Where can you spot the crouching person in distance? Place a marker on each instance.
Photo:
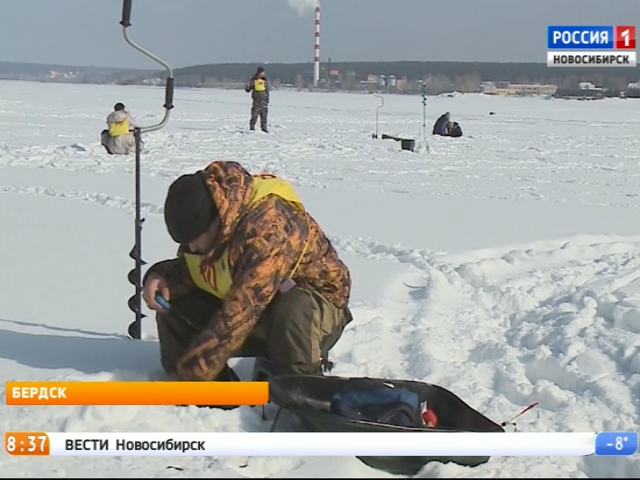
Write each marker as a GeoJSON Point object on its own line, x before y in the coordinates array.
{"type": "Point", "coordinates": [118, 139]}
{"type": "Point", "coordinates": [255, 276]}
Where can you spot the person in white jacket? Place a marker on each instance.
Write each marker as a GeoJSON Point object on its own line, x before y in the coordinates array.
{"type": "Point", "coordinates": [118, 138]}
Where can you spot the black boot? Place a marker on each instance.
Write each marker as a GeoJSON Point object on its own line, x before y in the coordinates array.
{"type": "Point", "coordinates": [262, 370]}
{"type": "Point", "coordinates": [226, 375]}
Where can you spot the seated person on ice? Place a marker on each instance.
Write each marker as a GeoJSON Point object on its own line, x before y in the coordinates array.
{"type": "Point", "coordinates": [446, 128]}
{"type": "Point", "coordinates": [441, 127]}
{"type": "Point", "coordinates": [118, 139]}
{"type": "Point", "coordinates": [454, 130]}
{"type": "Point", "coordinates": [255, 276]}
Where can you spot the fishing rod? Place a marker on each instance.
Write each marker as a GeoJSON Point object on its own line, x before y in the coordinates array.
{"type": "Point", "coordinates": [135, 275]}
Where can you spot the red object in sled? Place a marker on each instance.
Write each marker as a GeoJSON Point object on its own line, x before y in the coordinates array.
{"type": "Point", "coordinates": [430, 418]}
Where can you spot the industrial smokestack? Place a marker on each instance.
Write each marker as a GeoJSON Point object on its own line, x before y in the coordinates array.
{"type": "Point", "coordinates": [316, 54]}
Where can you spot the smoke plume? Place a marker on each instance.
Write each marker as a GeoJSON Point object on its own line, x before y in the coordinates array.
{"type": "Point", "coordinates": [303, 6]}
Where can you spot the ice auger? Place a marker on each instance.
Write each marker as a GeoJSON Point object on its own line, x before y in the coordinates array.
{"type": "Point", "coordinates": [135, 275]}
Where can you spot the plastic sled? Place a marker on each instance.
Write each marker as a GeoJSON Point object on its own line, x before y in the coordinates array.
{"type": "Point", "coordinates": [309, 399]}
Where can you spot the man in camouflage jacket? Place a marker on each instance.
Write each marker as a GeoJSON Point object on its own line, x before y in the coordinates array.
{"type": "Point", "coordinates": [288, 300]}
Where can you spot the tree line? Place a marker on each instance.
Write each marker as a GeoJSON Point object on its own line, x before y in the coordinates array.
{"type": "Point", "coordinates": [439, 77]}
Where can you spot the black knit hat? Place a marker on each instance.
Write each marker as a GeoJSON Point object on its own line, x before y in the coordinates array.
{"type": "Point", "coordinates": [189, 209]}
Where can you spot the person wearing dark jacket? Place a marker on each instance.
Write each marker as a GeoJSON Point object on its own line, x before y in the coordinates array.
{"type": "Point", "coordinates": [441, 127]}
{"type": "Point", "coordinates": [258, 86]}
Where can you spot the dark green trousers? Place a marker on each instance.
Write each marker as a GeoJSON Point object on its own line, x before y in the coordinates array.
{"type": "Point", "coordinates": [295, 333]}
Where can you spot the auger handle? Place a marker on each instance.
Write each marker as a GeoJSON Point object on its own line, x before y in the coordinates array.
{"type": "Point", "coordinates": [169, 84]}
{"type": "Point", "coordinates": [126, 13]}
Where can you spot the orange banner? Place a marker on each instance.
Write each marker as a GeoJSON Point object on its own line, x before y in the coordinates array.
{"type": "Point", "coordinates": [27, 443]}
{"type": "Point", "coordinates": [137, 393]}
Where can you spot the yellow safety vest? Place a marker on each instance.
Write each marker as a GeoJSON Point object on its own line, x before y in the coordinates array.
{"type": "Point", "coordinates": [216, 279]}
{"type": "Point", "coordinates": [119, 128]}
{"type": "Point", "coordinates": [259, 85]}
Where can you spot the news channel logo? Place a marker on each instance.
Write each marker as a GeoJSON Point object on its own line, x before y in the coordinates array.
{"type": "Point", "coordinates": [591, 46]}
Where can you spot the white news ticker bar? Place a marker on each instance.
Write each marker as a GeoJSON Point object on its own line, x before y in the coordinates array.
{"type": "Point", "coordinates": [591, 59]}
{"type": "Point", "coordinates": [325, 444]}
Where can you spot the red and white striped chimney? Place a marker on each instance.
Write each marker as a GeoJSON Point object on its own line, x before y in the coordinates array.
{"type": "Point", "coordinates": [316, 54]}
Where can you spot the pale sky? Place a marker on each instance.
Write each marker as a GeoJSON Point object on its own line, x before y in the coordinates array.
{"type": "Point", "coordinates": [189, 32]}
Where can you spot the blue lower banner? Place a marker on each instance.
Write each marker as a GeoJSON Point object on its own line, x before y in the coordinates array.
{"type": "Point", "coordinates": [616, 444]}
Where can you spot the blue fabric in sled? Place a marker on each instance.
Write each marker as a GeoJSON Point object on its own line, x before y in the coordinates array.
{"type": "Point", "coordinates": [390, 406]}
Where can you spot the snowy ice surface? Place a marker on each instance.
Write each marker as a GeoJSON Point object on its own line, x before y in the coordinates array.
{"type": "Point", "coordinates": [504, 265]}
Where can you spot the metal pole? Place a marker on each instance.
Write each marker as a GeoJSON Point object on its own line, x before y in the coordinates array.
{"type": "Point", "coordinates": [424, 114]}
{"type": "Point", "coordinates": [135, 275]}
{"type": "Point", "coordinates": [378, 112]}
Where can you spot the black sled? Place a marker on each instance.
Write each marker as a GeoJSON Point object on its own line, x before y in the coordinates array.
{"type": "Point", "coordinates": [310, 397]}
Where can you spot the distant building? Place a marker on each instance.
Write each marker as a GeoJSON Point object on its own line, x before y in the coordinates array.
{"type": "Point", "coordinates": [55, 74]}
{"type": "Point", "coordinates": [383, 82]}
{"type": "Point", "coordinates": [588, 86]}
{"type": "Point", "coordinates": [488, 88]}
{"type": "Point", "coordinates": [156, 82]}
{"type": "Point", "coordinates": [392, 81]}
{"type": "Point", "coordinates": [584, 91]}
{"type": "Point", "coordinates": [506, 88]}
{"type": "Point", "coordinates": [633, 90]}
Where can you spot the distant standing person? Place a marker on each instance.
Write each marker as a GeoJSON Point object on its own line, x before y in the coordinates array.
{"type": "Point", "coordinates": [118, 138]}
{"type": "Point", "coordinates": [259, 88]}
